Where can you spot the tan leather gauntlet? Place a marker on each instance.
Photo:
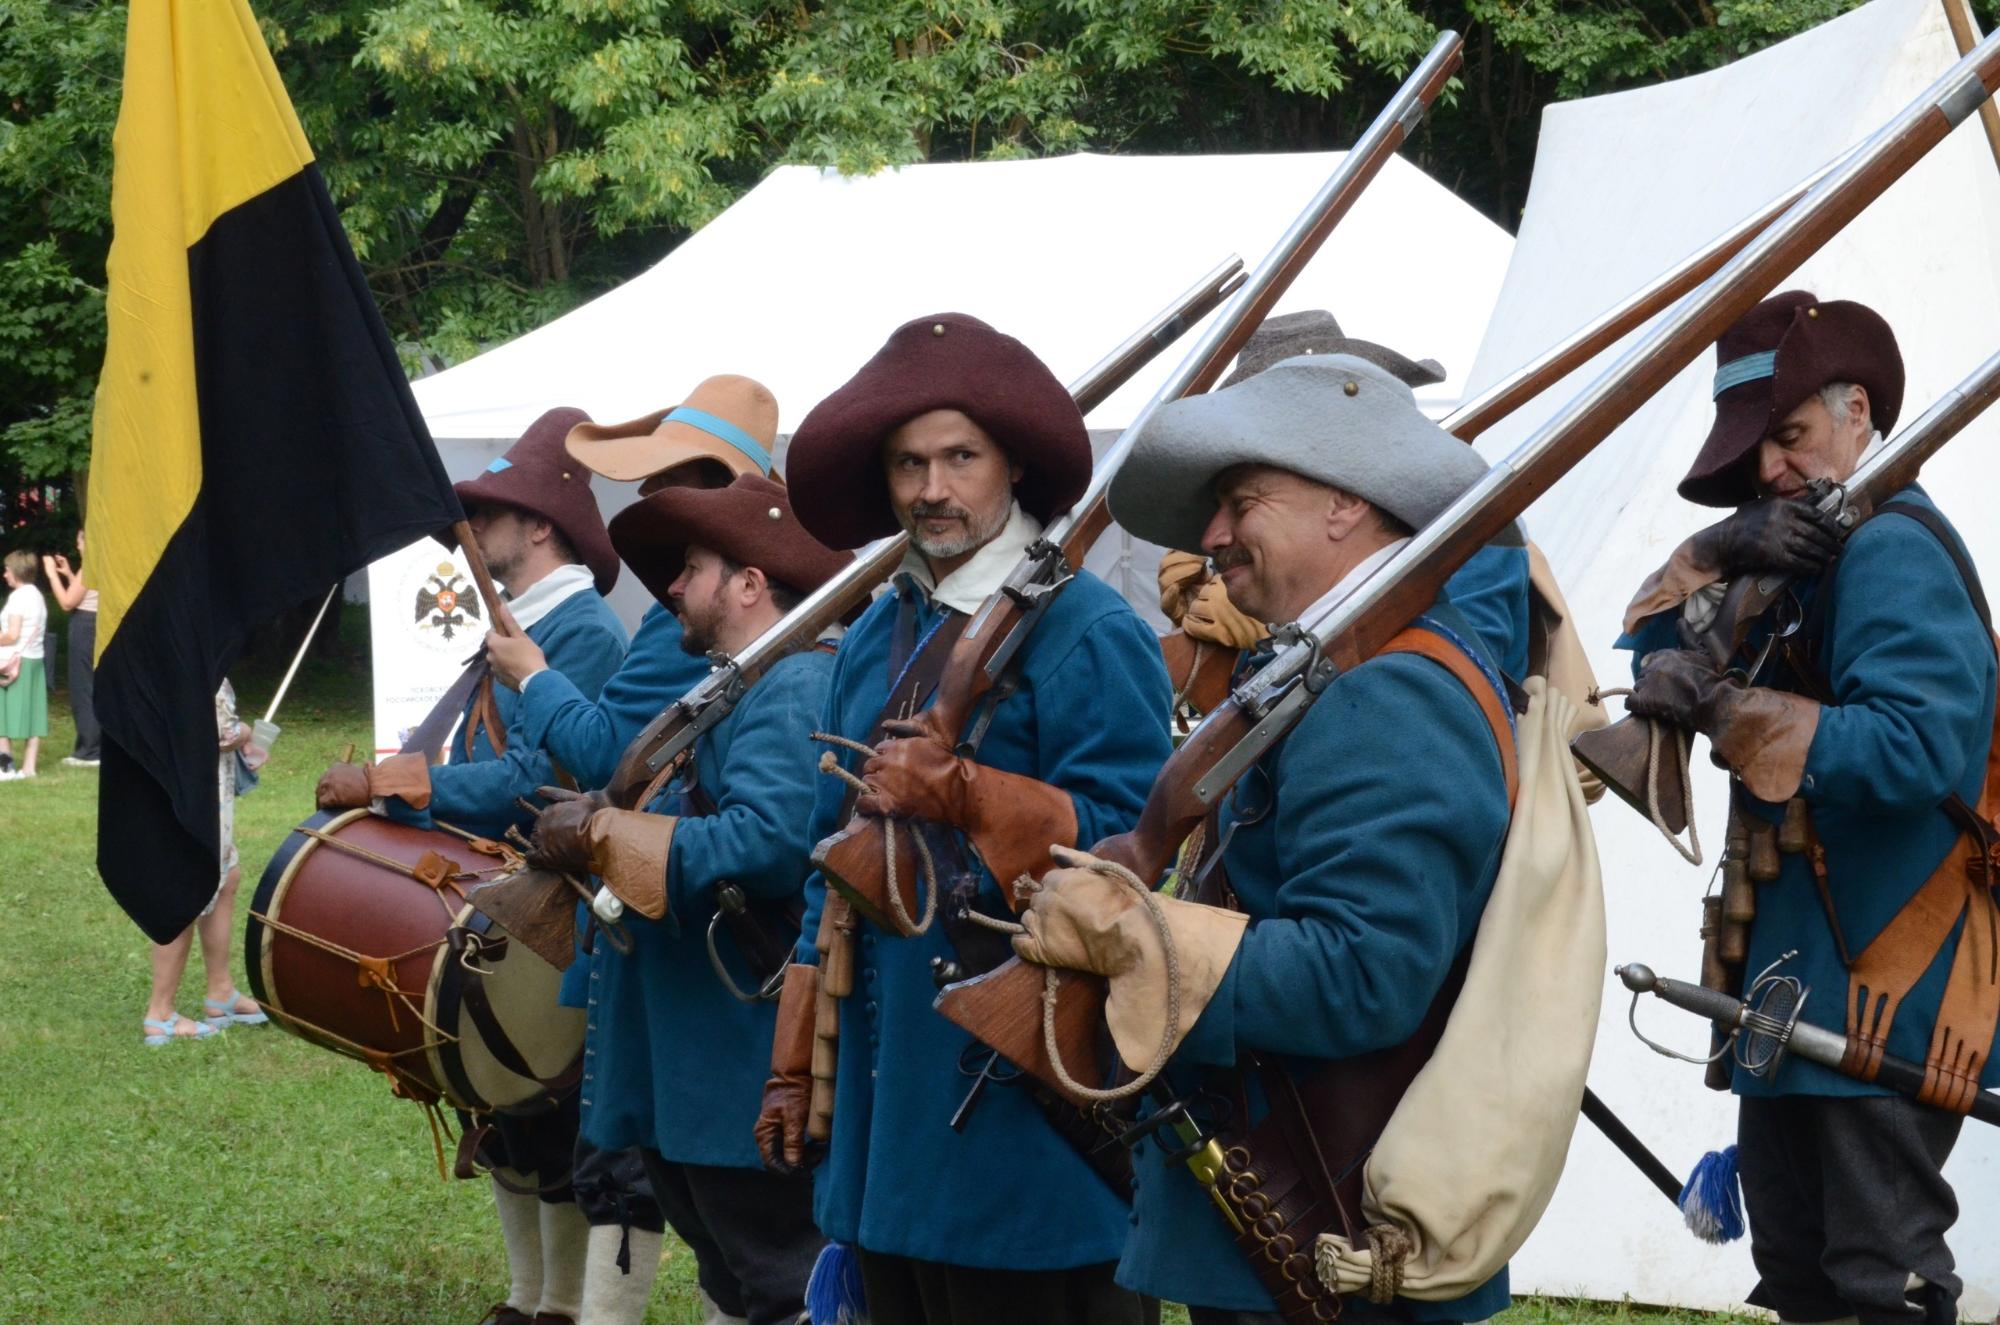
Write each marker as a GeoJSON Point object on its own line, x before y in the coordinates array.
{"type": "Point", "coordinates": [1765, 736]}
{"type": "Point", "coordinates": [781, 1120]}
{"type": "Point", "coordinates": [628, 851]}
{"type": "Point", "coordinates": [353, 786]}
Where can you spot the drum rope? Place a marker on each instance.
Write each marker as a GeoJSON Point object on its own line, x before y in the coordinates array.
{"type": "Point", "coordinates": [395, 866]}
{"type": "Point", "coordinates": [390, 990]}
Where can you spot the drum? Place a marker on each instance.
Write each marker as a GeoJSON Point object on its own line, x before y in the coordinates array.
{"type": "Point", "coordinates": [359, 939]}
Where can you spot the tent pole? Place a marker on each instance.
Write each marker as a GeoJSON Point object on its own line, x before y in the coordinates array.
{"type": "Point", "coordinates": [1965, 35]}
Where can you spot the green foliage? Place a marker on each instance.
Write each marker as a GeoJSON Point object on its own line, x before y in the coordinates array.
{"type": "Point", "coordinates": [498, 161]}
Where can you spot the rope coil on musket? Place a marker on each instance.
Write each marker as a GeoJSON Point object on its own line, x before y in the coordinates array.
{"type": "Point", "coordinates": [927, 868]}
{"type": "Point", "coordinates": [1656, 735]}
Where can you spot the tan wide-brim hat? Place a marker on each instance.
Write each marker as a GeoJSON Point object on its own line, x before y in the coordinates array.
{"type": "Point", "coordinates": [730, 420]}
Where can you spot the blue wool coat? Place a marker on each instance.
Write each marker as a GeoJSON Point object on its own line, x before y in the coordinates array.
{"type": "Point", "coordinates": [588, 733]}
{"type": "Point", "coordinates": [584, 643]}
{"type": "Point", "coordinates": [672, 1061]}
{"type": "Point", "coordinates": [1912, 671]}
{"type": "Point", "coordinates": [1491, 592]}
{"type": "Point", "coordinates": [1090, 717]}
{"type": "Point", "coordinates": [1366, 847]}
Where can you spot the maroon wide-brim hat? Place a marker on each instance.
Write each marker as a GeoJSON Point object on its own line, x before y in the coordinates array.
{"type": "Point", "coordinates": [537, 475]}
{"type": "Point", "coordinates": [751, 522]}
{"type": "Point", "coordinates": [1767, 365]}
{"type": "Point", "coordinates": [944, 361]}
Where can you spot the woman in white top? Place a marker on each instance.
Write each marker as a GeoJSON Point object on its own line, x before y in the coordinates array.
{"type": "Point", "coordinates": [24, 700]}
{"type": "Point", "coordinates": [80, 601]}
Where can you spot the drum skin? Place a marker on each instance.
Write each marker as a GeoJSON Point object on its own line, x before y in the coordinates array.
{"type": "Point", "coordinates": [357, 906]}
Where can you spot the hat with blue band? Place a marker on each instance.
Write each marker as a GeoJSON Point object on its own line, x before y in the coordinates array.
{"type": "Point", "coordinates": [1771, 361]}
{"type": "Point", "coordinates": [728, 421]}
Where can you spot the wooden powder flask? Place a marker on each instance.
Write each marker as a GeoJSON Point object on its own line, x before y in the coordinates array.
{"type": "Point", "coordinates": [1795, 833]}
{"type": "Point", "coordinates": [1265, 705]}
{"type": "Point", "coordinates": [835, 943]}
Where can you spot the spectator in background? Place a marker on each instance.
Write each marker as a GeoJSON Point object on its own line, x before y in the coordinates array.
{"type": "Point", "coordinates": [223, 1006]}
{"type": "Point", "coordinates": [81, 603]}
{"type": "Point", "coordinates": [24, 692]}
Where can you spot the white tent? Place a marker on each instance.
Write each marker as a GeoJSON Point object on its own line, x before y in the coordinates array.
{"type": "Point", "coordinates": [1624, 186]}
{"type": "Point", "coordinates": [800, 281]}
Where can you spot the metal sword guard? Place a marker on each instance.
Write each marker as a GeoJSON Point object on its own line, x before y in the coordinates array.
{"type": "Point", "coordinates": [1756, 1030]}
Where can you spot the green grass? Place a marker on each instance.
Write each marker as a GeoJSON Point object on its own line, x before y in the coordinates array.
{"type": "Point", "coordinates": [252, 1179]}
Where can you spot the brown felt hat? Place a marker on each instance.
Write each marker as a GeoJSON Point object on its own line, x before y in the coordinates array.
{"type": "Point", "coordinates": [944, 361]}
{"type": "Point", "coordinates": [1315, 331]}
{"type": "Point", "coordinates": [538, 476]}
{"type": "Point", "coordinates": [750, 522]}
{"type": "Point", "coordinates": [730, 420]}
{"type": "Point", "coordinates": [1768, 363]}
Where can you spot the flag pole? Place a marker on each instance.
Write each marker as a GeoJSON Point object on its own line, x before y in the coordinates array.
{"type": "Point", "coordinates": [475, 561]}
{"type": "Point", "coordinates": [299, 657]}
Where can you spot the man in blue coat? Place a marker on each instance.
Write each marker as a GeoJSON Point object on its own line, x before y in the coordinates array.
{"type": "Point", "coordinates": [545, 543]}
{"type": "Point", "coordinates": [1321, 939]}
{"type": "Point", "coordinates": [678, 1070]}
{"type": "Point", "coordinates": [723, 430]}
{"type": "Point", "coordinates": [1871, 723]}
{"type": "Point", "coordinates": [964, 1202]}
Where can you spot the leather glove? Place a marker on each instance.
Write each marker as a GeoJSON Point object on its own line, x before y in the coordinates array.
{"type": "Point", "coordinates": [558, 843]}
{"type": "Point", "coordinates": [781, 1121]}
{"type": "Point", "coordinates": [1764, 736]}
{"type": "Point", "coordinates": [1795, 537]}
{"type": "Point", "coordinates": [628, 850]}
{"type": "Point", "coordinates": [1083, 917]}
{"type": "Point", "coordinates": [1009, 819]}
{"type": "Point", "coordinates": [354, 786]}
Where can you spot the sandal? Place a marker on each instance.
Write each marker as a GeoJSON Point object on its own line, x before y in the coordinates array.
{"type": "Point", "coordinates": [167, 1030]}
{"type": "Point", "coordinates": [222, 1012]}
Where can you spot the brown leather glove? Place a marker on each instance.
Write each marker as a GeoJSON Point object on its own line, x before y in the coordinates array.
{"type": "Point", "coordinates": [1794, 537]}
{"type": "Point", "coordinates": [1011, 820]}
{"type": "Point", "coordinates": [353, 786]}
{"type": "Point", "coordinates": [628, 850]}
{"type": "Point", "coordinates": [781, 1121]}
{"type": "Point", "coordinates": [1763, 735]}
{"type": "Point", "coordinates": [558, 843]}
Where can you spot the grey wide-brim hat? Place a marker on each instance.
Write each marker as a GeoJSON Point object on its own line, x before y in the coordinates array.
{"type": "Point", "coordinates": [1333, 418]}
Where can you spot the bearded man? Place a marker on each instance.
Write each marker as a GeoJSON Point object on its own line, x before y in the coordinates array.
{"type": "Point", "coordinates": [1870, 730]}
{"type": "Point", "coordinates": [963, 1201]}
{"type": "Point", "coordinates": [678, 1070]}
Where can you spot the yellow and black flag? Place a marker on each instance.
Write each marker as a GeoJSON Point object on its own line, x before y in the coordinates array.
{"type": "Point", "coordinates": [255, 437]}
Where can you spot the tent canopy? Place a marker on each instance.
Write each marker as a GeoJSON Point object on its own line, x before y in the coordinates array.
{"type": "Point", "coordinates": [807, 274]}
{"type": "Point", "coordinates": [1626, 185]}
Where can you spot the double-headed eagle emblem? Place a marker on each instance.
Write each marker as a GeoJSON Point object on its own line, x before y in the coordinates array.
{"type": "Point", "coordinates": [446, 607]}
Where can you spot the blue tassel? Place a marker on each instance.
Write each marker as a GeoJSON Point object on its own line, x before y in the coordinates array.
{"type": "Point", "coordinates": [834, 1295]}
{"type": "Point", "coordinates": [1712, 1201]}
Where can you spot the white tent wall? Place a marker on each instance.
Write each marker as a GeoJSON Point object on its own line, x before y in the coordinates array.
{"type": "Point", "coordinates": [1625, 185]}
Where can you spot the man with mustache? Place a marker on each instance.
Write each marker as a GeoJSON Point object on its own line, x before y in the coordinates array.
{"type": "Point", "coordinates": [1867, 738]}
{"type": "Point", "coordinates": [1321, 938]}
{"type": "Point", "coordinates": [965, 1205]}
{"type": "Point", "coordinates": [678, 1043]}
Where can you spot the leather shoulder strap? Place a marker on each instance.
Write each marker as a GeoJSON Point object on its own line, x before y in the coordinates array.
{"type": "Point", "coordinates": [1431, 645]}
{"type": "Point", "coordinates": [1932, 521]}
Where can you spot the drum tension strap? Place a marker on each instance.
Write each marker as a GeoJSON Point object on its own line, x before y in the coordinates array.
{"type": "Point", "coordinates": [491, 1032]}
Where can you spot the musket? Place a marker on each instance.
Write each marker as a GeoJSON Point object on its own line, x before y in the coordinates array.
{"type": "Point", "coordinates": [1003, 1008]}
{"type": "Point", "coordinates": [1618, 754]}
{"type": "Point", "coordinates": [1761, 1031]}
{"type": "Point", "coordinates": [526, 906]}
{"type": "Point", "coordinates": [854, 860]}
{"type": "Point", "coordinates": [670, 736]}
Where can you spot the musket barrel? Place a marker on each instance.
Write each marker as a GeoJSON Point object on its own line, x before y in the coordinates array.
{"type": "Point", "coordinates": [1225, 335]}
{"type": "Point", "coordinates": [1895, 466]}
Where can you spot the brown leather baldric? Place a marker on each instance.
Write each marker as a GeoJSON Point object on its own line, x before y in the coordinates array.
{"type": "Point", "coordinates": [1300, 1172]}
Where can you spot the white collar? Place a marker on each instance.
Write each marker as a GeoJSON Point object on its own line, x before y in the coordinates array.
{"type": "Point", "coordinates": [1351, 581]}
{"type": "Point", "coordinates": [551, 591]}
{"type": "Point", "coordinates": [984, 572]}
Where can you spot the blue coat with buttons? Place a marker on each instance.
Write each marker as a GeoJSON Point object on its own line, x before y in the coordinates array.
{"type": "Point", "coordinates": [1364, 848]}
{"type": "Point", "coordinates": [585, 644]}
{"type": "Point", "coordinates": [1090, 717]}
{"type": "Point", "coordinates": [588, 735]}
{"type": "Point", "coordinates": [672, 1061]}
{"type": "Point", "coordinates": [1912, 672]}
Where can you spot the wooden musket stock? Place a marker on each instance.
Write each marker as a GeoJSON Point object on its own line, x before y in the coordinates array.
{"type": "Point", "coordinates": [1618, 754]}
{"type": "Point", "coordinates": [853, 859]}
{"type": "Point", "coordinates": [1267, 704]}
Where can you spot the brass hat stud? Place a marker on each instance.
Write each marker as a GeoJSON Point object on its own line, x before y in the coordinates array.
{"type": "Point", "coordinates": [1813, 311]}
{"type": "Point", "coordinates": [1352, 388]}
{"type": "Point", "coordinates": [775, 514]}
{"type": "Point", "coordinates": [937, 328]}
